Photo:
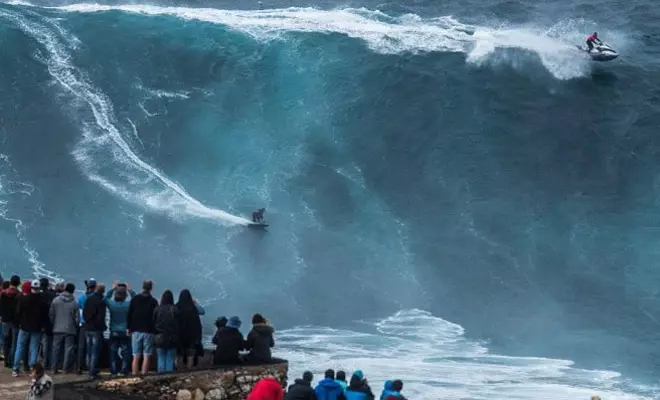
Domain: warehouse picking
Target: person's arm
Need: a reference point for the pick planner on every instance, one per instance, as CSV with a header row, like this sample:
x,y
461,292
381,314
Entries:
x,y
129,317
109,295
51,314
199,307
249,342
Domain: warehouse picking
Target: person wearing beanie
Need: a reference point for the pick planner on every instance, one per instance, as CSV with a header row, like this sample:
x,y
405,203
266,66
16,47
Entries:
x,y
229,342
8,302
118,301
94,315
328,388
30,313
302,388
395,391
65,319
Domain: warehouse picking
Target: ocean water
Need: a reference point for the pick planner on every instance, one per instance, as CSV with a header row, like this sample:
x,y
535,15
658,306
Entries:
x,y
457,196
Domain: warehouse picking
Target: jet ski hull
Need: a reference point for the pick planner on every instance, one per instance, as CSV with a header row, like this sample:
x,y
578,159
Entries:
x,y
601,53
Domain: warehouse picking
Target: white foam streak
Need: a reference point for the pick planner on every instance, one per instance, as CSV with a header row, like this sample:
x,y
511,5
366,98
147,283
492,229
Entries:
x,y
382,33
436,361
103,147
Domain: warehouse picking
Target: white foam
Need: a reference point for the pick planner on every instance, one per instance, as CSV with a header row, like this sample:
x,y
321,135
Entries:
x,y
383,33
436,361
103,153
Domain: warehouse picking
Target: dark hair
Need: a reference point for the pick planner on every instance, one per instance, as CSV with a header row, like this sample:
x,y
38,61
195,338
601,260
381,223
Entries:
x,y
38,368
220,322
397,385
258,319
330,373
308,376
15,280
5,285
167,299
147,286
120,293
70,288
341,376
185,301
44,283
59,287
100,289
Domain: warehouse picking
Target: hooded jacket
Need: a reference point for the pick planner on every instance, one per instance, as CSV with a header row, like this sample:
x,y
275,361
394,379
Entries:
x,y
229,342
118,312
266,389
300,390
8,302
329,389
358,389
31,312
191,336
259,341
387,390
64,314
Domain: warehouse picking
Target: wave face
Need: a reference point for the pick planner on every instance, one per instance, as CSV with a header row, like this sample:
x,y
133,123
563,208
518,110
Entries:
x,y
483,171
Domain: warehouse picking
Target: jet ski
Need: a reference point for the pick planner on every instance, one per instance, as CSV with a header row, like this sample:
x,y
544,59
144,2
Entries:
x,y
603,52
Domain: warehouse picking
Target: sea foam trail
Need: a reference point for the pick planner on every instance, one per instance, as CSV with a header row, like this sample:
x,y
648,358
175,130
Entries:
x,y
382,33
103,152
436,361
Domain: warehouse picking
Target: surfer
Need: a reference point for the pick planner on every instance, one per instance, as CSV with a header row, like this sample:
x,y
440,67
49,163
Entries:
x,y
258,216
591,39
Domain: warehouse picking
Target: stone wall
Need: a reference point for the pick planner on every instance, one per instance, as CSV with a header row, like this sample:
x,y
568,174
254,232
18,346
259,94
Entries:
x,y
232,383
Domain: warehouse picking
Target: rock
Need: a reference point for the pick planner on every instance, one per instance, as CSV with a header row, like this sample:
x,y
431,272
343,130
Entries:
x,y
153,394
215,394
199,395
246,388
125,390
184,394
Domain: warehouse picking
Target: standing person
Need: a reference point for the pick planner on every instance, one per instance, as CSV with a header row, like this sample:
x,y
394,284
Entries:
x,y
359,389
141,327
119,339
65,318
259,341
90,288
341,379
47,294
30,313
94,314
167,322
8,302
41,385
191,335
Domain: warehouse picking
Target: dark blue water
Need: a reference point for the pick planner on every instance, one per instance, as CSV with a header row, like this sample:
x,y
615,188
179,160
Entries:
x,y
461,158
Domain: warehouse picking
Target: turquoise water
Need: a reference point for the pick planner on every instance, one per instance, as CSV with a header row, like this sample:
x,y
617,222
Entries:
x,y
460,159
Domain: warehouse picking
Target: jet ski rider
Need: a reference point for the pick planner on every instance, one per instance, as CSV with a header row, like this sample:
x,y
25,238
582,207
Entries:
x,y
258,216
591,39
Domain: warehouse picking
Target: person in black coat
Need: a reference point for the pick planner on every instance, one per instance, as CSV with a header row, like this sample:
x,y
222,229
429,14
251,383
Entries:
x,y
191,332
259,341
30,312
229,342
48,295
302,388
94,316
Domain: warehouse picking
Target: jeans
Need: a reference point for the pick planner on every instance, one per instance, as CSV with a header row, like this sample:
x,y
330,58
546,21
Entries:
x,y
10,333
47,350
27,342
94,344
120,346
82,347
63,341
165,359
142,343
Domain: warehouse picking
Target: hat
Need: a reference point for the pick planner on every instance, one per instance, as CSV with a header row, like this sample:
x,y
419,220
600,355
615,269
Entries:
x,y
90,283
234,322
359,374
26,287
36,285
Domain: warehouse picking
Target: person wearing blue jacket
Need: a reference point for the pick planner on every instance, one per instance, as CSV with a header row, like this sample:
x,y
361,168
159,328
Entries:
x,y
359,389
329,389
387,390
90,286
118,302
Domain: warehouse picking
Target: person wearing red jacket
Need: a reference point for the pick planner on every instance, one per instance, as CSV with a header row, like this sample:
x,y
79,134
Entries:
x,y
267,389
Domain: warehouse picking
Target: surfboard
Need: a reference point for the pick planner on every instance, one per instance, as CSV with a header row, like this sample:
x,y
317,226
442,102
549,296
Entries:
x,y
254,225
